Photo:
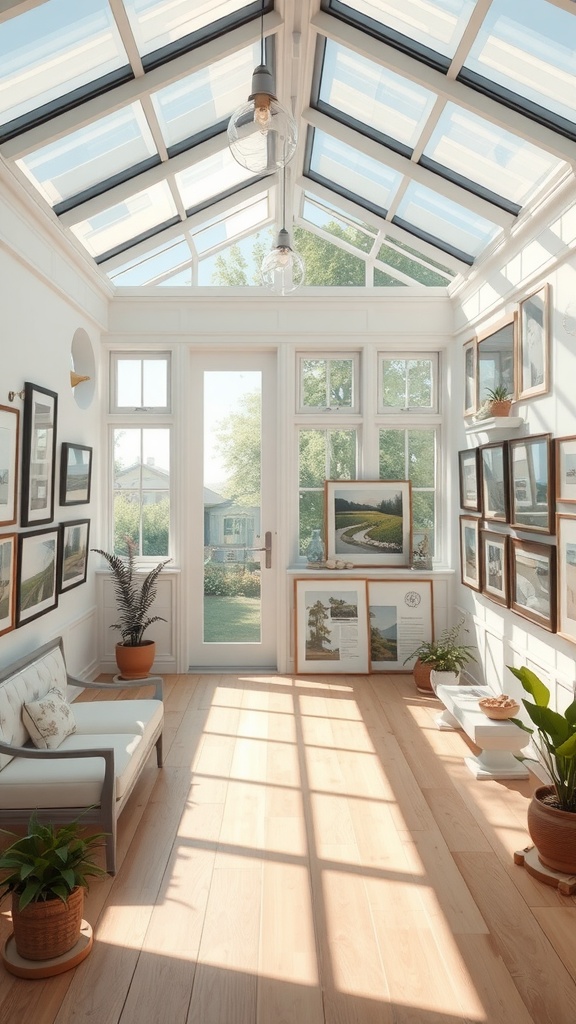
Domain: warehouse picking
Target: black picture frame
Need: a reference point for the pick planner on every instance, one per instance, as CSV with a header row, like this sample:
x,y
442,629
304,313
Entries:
x,y
73,560
494,487
469,479
532,503
9,440
533,582
38,558
75,474
38,455
496,566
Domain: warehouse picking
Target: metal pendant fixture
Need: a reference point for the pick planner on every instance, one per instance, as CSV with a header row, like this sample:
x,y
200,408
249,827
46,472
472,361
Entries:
x,y
283,270
262,133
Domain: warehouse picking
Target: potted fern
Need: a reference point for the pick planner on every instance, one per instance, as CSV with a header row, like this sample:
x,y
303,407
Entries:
x,y
135,595
445,655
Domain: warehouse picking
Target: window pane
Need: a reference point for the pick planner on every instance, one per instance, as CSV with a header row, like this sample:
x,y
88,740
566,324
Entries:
x,y
157,23
423,514
420,383
141,489
312,458
407,384
437,24
215,176
394,383
421,458
341,380
125,221
366,180
392,461
314,380
327,383
311,517
439,218
129,383
141,382
342,454
155,391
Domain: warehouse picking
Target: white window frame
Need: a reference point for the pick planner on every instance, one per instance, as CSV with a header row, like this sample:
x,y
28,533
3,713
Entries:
x,y
413,410
138,424
311,410
140,357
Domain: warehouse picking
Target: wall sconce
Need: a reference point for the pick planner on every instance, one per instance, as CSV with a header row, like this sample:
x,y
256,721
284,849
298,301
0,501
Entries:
x,y
76,378
16,394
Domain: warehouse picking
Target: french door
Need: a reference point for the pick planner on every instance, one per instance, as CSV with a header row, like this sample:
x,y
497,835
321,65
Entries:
x,y
232,557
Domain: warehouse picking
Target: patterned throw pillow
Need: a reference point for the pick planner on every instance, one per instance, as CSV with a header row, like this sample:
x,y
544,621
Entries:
x,y
49,720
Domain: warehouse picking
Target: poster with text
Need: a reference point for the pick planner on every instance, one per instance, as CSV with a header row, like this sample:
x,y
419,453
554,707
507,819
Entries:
x,y
400,619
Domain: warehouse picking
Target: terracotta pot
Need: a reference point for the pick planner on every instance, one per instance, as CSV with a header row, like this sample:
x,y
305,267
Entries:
x,y
48,928
553,832
501,408
135,662
421,673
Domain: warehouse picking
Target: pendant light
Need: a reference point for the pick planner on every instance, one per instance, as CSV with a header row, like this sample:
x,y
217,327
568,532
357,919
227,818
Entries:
x,y
283,270
262,134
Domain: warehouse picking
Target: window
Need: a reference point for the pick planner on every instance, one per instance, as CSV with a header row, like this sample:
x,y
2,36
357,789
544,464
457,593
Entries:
x,y
408,383
411,454
323,455
140,383
328,383
141,504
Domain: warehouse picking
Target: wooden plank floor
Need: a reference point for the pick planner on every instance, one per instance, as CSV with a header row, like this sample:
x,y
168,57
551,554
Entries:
x,y
314,851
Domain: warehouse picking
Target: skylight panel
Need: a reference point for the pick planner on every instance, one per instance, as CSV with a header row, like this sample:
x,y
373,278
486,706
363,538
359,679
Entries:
x,y
161,23
233,224
215,270
218,175
444,223
435,24
365,180
323,215
53,49
420,271
135,217
145,270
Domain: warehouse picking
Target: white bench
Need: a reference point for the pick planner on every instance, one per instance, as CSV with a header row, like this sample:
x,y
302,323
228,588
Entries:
x,y
499,741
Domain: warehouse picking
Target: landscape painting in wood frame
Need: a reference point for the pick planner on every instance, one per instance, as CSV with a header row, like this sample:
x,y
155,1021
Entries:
x,y
469,479
400,614
331,626
533,582
38,454
532,483
37,574
369,522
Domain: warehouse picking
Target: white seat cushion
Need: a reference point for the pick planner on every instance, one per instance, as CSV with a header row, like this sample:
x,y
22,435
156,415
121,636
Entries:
x,y
112,716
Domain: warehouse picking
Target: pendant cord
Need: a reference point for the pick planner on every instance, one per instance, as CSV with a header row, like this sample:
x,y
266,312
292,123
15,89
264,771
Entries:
x,y
262,61
284,197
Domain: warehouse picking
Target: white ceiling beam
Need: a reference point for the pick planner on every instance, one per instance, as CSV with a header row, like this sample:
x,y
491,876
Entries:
x,y
127,36
468,37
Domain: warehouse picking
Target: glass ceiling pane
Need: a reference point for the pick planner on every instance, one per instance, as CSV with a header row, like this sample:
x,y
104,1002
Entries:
x,y
209,178
441,219
54,48
377,98
529,48
91,155
157,23
436,24
224,268
338,224
489,155
395,259
158,261
365,180
135,216
234,223
196,103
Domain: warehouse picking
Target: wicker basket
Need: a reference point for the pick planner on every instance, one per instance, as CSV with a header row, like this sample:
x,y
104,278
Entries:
x,y
498,713
48,928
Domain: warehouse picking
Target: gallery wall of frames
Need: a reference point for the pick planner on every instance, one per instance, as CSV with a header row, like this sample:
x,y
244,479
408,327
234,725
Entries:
x,y
43,559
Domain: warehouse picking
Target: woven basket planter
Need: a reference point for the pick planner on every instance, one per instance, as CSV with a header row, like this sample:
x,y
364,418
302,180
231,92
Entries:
x,y
48,928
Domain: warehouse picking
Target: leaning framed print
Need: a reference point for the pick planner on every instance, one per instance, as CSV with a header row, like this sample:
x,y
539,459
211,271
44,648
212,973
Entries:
x,y
8,553
495,582
566,531
331,618
9,425
469,479
400,618
37,574
469,378
470,561
73,561
533,360
38,455
75,474
532,483
566,469
369,522
533,582
494,482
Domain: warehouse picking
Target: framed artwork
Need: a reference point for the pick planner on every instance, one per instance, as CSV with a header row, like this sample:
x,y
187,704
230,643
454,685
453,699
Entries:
x,y
75,474
494,482
469,479
531,483
38,455
8,553
369,522
470,561
470,378
533,582
331,618
566,469
566,531
73,562
400,618
9,427
495,359
495,582
533,360
37,574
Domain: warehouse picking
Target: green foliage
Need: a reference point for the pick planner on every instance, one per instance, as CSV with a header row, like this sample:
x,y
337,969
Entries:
x,y
134,594
231,581
554,737
329,265
130,517
498,394
445,654
48,863
239,441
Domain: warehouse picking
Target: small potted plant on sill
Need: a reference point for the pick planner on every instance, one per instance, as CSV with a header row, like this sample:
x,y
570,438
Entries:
x,y
500,400
46,873
135,595
440,661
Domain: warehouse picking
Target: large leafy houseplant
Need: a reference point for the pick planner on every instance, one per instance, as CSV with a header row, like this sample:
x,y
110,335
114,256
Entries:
x,y
134,593
446,654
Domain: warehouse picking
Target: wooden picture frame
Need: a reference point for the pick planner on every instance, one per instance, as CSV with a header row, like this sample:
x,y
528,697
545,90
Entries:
x,y
331,626
565,469
533,351
469,479
73,561
75,474
8,564
495,495
9,440
495,567
566,589
532,483
533,582
470,552
496,359
38,455
369,522
470,388
400,616
37,574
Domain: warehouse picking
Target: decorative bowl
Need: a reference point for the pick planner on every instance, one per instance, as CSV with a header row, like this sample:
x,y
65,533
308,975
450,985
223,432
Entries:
x,y
499,708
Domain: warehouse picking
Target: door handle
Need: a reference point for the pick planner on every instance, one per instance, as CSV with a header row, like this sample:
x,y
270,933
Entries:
x,y
267,548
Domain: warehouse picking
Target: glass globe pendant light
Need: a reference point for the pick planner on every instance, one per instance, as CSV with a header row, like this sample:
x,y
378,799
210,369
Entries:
x,y
262,134
283,270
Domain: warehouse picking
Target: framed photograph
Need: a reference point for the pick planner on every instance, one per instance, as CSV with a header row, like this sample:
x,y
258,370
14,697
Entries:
x,y
566,531
469,479
531,483
495,359
470,561
400,618
8,554
38,455
75,474
495,583
9,427
331,618
369,522
533,582
494,482
533,360
566,469
37,574
470,378
73,563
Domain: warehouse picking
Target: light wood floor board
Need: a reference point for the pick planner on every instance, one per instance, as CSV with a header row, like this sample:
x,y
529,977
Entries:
x,y
314,851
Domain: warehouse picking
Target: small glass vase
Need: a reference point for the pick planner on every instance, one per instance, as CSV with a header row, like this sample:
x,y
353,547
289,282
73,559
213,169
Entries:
x,y
315,549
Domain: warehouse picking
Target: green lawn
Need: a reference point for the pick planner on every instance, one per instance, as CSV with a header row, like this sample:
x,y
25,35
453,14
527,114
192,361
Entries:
x,y
231,619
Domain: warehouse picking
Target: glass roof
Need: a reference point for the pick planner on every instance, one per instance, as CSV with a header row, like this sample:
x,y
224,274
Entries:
x,y
427,129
